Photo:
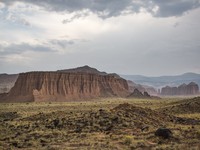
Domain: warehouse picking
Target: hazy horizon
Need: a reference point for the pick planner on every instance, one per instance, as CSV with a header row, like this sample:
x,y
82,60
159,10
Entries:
x,y
131,37
106,72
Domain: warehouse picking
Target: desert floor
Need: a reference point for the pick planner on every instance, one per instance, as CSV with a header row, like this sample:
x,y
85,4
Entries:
x,y
114,123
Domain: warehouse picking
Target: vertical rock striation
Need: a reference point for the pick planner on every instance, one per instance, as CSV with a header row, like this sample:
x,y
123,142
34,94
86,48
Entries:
x,y
61,86
184,89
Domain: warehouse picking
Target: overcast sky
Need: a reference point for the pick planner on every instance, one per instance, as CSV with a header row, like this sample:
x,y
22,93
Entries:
x,y
153,38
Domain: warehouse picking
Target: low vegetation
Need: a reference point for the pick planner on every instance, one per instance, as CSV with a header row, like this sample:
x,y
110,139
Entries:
x,y
101,124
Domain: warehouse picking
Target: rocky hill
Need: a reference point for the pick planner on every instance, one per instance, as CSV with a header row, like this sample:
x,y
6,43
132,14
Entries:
x,y
187,106
184,89
64,86
142,88
84,69
137,94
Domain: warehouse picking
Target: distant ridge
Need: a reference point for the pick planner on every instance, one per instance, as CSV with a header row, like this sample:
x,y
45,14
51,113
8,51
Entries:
x,y
88,69
84,69
159,82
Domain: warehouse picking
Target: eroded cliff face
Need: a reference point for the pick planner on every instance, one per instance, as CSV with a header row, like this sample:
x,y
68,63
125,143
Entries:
x,y
7,81
60,86
184,89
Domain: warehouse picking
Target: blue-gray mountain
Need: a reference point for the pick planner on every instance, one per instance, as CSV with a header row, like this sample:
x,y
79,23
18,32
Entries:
x,y
159,82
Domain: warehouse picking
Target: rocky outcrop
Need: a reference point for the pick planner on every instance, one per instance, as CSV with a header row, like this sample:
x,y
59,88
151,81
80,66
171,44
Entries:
x,y
141,88
61,86
184,89
192,89
137,94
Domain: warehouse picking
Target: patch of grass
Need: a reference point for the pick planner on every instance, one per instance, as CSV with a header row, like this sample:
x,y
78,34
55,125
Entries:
x,y
128,140
96,125
192,116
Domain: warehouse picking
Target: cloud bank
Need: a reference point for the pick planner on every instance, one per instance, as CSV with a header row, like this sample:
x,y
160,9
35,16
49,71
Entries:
x,y
111,8
154,37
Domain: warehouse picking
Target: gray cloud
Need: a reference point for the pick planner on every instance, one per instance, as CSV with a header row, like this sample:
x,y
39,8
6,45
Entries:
x,y
109,8
77,15
49,46
62,43
22,47
169,8
8,16
17,19
136,45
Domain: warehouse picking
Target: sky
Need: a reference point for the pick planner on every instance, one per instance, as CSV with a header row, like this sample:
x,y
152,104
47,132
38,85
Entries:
x,y
152,38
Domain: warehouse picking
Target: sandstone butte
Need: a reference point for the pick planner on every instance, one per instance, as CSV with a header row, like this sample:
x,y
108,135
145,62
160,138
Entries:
x,y
184,89
64,86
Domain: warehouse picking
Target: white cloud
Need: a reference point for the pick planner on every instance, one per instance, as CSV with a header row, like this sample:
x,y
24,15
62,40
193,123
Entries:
x,y
121,41
16,19
12,59
2,5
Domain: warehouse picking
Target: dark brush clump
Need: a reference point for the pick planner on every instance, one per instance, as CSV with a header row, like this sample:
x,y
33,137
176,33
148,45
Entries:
x,y
8,116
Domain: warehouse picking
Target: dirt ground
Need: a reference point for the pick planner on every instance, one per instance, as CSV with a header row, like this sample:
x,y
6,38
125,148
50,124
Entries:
x,y
101,124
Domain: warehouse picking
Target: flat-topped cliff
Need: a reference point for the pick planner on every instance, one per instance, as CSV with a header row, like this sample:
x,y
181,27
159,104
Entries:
x,y
65,86
184,89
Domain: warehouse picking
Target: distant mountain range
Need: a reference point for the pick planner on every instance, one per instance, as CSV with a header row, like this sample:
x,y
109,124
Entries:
x,y
143,83
159,82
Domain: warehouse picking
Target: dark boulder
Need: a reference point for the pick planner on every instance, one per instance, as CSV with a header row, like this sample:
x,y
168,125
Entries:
x,y
164,133
8,116
56,122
